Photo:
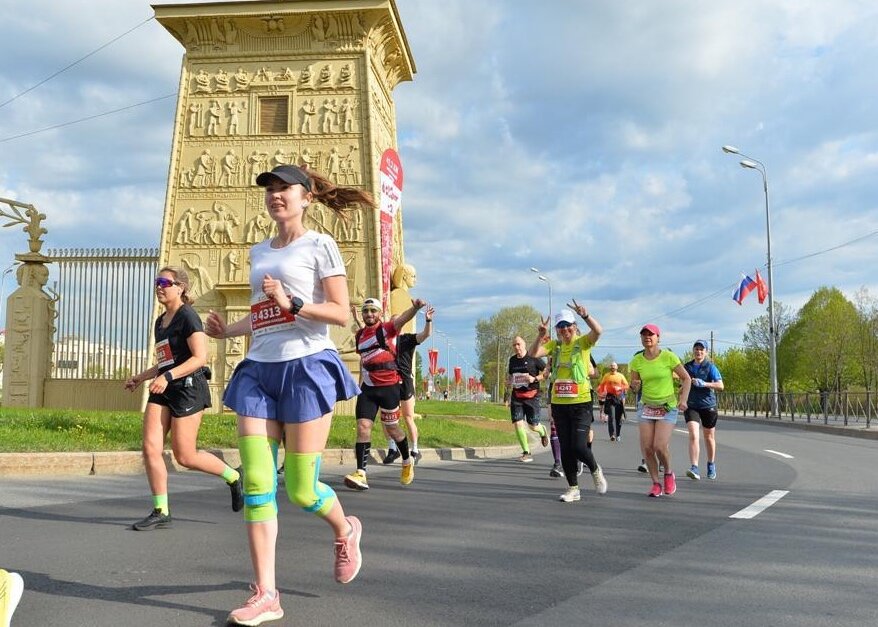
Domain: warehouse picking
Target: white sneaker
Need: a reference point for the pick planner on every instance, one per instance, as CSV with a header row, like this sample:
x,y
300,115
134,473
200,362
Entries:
x,y
600,483
571,495
11,589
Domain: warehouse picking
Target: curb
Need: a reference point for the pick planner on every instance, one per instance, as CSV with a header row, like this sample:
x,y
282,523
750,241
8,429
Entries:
x,y
131,462
851,431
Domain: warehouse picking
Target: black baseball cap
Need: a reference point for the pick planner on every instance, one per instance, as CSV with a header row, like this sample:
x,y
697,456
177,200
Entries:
x,y
289,174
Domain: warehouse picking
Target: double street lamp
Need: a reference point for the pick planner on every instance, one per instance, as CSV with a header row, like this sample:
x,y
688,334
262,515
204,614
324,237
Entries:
x,y
754,164
545,279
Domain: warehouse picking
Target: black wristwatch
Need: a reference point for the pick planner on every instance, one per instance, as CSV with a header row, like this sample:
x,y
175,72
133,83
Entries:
x,y
168,376
296,305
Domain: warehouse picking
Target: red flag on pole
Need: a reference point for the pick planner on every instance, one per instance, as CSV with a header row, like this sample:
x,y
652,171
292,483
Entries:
x,y
761,288
433,355
457,375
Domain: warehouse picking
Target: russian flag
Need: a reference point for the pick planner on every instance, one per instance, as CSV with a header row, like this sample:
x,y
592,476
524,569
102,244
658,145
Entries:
x,y
747,285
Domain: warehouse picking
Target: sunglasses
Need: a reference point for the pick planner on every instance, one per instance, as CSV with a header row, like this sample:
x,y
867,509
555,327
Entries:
x,y
164,283
563,325
371,310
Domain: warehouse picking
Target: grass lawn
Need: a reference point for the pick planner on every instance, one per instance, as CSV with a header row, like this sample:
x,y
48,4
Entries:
x,y
445,424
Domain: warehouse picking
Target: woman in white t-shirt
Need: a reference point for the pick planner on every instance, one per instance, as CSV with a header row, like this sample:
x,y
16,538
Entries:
x,y
292,376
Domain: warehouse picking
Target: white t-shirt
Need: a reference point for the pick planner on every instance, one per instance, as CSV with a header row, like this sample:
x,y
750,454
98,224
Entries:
x,y
300,266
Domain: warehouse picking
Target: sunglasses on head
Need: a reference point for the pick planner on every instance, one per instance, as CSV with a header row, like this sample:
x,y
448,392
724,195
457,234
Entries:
x,y
163,282
563,325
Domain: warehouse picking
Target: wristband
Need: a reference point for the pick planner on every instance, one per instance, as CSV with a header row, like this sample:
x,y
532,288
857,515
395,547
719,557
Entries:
x,y
585,317
169,377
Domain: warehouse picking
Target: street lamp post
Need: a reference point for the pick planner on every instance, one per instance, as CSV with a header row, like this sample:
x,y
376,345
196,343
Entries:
x,y
447,358
755,164
546,280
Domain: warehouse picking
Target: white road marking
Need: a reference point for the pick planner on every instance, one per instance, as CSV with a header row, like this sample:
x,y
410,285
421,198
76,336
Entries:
x,y
683,431
784,455
753,510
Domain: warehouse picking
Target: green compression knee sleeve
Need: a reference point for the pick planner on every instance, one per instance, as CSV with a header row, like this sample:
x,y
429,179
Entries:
x,y
303,487
259,459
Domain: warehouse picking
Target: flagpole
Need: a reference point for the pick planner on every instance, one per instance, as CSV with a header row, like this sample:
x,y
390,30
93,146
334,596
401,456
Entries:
x,y
755,164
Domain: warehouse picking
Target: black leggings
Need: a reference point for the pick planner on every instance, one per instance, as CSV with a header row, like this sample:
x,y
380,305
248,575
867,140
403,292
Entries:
x,y
573,422
614,409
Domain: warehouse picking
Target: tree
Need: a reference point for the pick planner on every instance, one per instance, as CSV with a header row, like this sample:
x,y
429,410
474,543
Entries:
x,y
757,341
818,344
865,347
494,338
737,368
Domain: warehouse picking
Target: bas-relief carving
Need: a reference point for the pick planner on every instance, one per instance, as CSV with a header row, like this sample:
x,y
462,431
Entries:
x,y
216,225
333,75
216,117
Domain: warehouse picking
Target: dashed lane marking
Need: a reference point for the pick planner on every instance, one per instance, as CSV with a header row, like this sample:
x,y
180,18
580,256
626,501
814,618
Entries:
x,y
784,455
753,510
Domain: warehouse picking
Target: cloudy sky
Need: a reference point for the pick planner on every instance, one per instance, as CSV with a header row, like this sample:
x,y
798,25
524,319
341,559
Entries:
x,y
581,138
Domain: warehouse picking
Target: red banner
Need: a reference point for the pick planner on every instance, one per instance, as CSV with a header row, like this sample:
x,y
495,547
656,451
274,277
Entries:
x,y
389,203
457,375
433,355
472,383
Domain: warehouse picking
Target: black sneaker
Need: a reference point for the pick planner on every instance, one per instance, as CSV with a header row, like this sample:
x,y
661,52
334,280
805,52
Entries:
x,y
416,455
556,471
392,456
237,488
156,520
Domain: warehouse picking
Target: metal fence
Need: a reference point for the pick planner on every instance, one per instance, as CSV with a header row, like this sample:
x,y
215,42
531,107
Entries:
x,y
104,309
830,408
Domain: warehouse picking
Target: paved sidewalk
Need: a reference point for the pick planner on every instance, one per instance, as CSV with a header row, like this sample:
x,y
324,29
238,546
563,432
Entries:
x,y
853,430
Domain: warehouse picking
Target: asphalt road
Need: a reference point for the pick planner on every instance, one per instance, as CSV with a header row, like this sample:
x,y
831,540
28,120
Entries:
x,y
481,542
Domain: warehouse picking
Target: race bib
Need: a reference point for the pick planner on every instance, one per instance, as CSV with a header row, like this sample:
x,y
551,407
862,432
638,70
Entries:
x,y
654,412
266,316
565,388
520,380
163,355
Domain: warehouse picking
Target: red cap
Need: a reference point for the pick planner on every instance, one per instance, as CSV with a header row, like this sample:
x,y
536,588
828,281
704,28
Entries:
x,y
651,328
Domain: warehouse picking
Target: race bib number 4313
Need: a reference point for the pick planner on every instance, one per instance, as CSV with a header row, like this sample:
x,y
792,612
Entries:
x,y
266,316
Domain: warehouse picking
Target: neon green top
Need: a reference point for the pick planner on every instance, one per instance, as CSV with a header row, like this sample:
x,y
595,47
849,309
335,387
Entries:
x,y
657,382
567,388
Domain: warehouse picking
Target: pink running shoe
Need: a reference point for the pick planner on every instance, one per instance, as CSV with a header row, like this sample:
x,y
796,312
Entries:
x,y
262,606
347,553
656,490
670,483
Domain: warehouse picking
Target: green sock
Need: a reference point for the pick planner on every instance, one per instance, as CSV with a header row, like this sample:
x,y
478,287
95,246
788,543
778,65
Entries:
x,y
160,502
521,434
230,474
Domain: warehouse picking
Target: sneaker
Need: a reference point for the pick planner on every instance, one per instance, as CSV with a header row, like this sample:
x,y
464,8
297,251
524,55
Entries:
x,y
237,488
526,458
692,473
656,490
357,480
556,471
711,470
416,455
600,483
579,467
156,520
262,606
11,589
408,473
670,483
544,440
347,553
612,438
392,456
571,495
642,467
618,438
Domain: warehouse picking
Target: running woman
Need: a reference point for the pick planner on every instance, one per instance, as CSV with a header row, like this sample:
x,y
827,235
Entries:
x,y
178,396
701,408
652,372
524,375
406,344
376,345
571,403
612,388
288,384
11,589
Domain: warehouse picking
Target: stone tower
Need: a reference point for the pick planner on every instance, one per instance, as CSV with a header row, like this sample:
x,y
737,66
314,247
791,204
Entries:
x,y
265,83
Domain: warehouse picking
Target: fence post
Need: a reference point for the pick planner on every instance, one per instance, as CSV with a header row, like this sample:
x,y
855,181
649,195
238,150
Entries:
x,y
845,410
868,408
792,403
824,402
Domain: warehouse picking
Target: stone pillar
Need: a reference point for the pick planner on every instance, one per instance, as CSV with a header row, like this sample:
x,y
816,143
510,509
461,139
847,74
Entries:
x,y
262,84
30,316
